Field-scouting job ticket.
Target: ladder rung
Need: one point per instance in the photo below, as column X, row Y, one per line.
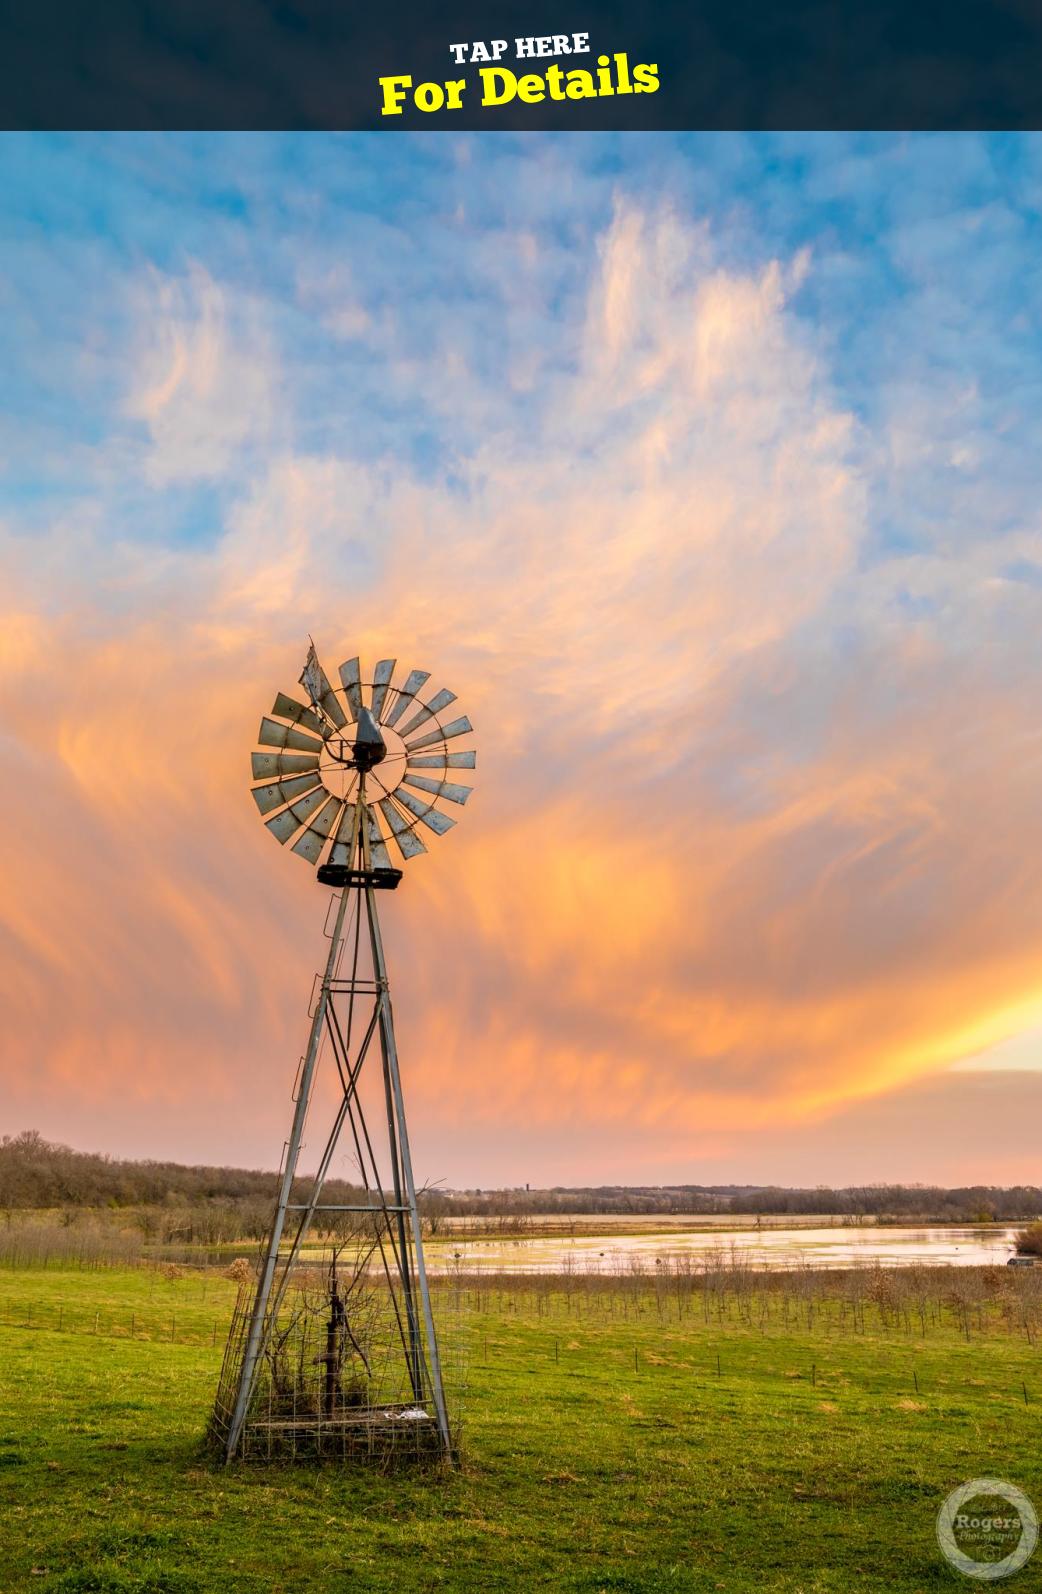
column 305, row 1206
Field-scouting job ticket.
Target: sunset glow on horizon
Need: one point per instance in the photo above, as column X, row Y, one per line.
column 704, row 472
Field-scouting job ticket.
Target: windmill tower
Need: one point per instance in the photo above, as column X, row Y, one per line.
column 356, row 766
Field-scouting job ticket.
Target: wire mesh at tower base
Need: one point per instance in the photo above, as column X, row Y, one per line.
column 333, row 1384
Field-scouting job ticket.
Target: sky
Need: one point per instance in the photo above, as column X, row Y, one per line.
column 704, row 470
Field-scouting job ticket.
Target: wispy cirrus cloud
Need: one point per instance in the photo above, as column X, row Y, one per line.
column 202, row 378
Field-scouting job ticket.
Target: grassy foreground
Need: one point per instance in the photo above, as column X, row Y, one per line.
column 616, row 1445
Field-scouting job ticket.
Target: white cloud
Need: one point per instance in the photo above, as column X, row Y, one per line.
column 204, row 382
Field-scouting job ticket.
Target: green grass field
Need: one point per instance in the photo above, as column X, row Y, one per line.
column 603, row 1450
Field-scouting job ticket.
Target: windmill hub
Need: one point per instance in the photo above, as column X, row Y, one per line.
column 369, row 747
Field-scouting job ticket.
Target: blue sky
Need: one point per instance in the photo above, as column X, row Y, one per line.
column 922, row 292
column 731, row 440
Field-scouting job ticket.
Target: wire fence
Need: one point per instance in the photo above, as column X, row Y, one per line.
column 910, row 1301
column 142, row 1327
column 489, row 1347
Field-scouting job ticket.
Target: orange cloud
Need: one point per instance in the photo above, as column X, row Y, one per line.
column 747, row 847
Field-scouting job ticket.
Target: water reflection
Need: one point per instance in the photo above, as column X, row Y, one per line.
column 769, row 1245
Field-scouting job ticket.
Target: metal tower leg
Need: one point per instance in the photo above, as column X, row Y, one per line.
column 255, row 1338
column 389, row 1049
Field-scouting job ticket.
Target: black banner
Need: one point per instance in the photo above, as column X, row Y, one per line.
column 567, row 64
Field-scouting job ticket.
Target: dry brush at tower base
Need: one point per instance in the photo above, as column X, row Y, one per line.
column 332, row 1384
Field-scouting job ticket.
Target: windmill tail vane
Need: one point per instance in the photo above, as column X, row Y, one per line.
column 311, row 676
column 358, row 769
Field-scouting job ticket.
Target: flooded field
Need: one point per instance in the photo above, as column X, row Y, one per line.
column 773, row 1243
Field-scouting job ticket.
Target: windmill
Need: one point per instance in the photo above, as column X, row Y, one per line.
column 338, row 777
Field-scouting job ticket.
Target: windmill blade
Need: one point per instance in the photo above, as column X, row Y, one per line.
column 280, row 792
column 351, row 680
column 310, row 844
column 283, row 826
column 381, row 681
column 430, row 816
column 268, row 798
column 439, row 701
column 440, row 788
column 439, row 761
column 454, row 728
column 290, row 820
column 287, row 708
column 343, row 851
column 272, row 734
column 268, row 765
column 379, row 857
column 406, row 695
column 314, row 677
column 406, row 839
column 324, row 824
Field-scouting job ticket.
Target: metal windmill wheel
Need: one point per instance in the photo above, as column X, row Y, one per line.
column 368, row 742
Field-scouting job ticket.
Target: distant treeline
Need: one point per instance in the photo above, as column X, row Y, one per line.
column 970, row 1204
column 167, row 1200
column 35, row 1173
column 977, row 1203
